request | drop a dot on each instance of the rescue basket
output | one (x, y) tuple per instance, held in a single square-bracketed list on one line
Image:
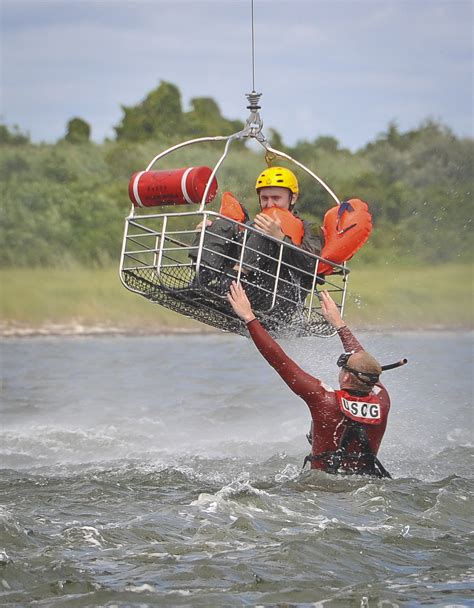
[(166, 234)]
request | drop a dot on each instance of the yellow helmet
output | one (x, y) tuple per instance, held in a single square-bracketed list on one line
[(277, 176)]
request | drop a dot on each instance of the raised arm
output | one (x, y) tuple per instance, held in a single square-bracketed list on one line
[(299, 381), (333, 316)]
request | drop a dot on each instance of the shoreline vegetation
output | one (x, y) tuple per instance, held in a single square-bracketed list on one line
[(79, 302), (63, 208)]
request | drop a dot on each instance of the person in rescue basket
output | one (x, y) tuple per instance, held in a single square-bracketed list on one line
[(277, 190), (347, 424)]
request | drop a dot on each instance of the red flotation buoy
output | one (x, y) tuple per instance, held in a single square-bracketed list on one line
[(171, 187)]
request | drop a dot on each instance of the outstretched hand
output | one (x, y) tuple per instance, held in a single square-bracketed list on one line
[(240, 303), (330, 310)]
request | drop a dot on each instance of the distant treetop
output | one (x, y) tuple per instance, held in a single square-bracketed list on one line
[(160, 115), (13, 135), (78, 131)]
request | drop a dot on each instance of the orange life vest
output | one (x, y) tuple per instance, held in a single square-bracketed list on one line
[(346, 228), (291, 225), (231, 208)]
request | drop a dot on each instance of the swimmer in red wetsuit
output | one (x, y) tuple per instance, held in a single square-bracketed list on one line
[(347, 424)]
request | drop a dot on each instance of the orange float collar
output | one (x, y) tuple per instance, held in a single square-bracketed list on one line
[(291, 226), (346, 228), (231, 208)]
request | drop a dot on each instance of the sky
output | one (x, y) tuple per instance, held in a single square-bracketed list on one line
[(344, 68)]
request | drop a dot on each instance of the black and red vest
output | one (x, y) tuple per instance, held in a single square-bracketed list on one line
[(354, 454)]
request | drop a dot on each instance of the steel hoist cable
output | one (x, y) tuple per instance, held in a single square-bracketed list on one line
[(253, 48)]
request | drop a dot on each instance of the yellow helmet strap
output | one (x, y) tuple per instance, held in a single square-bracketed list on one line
[(294, 198)]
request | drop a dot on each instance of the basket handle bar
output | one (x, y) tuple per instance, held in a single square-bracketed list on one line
[(247, 132)]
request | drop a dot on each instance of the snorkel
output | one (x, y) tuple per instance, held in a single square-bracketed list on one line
[(366, 377)]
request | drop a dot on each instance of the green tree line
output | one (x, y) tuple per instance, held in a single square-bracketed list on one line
[(65, 203)]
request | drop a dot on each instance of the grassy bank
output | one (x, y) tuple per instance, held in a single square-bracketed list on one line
[(411, 297), (39, 297), (407, 297)]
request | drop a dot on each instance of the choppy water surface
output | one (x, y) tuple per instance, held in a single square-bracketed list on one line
[(165, 471)]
